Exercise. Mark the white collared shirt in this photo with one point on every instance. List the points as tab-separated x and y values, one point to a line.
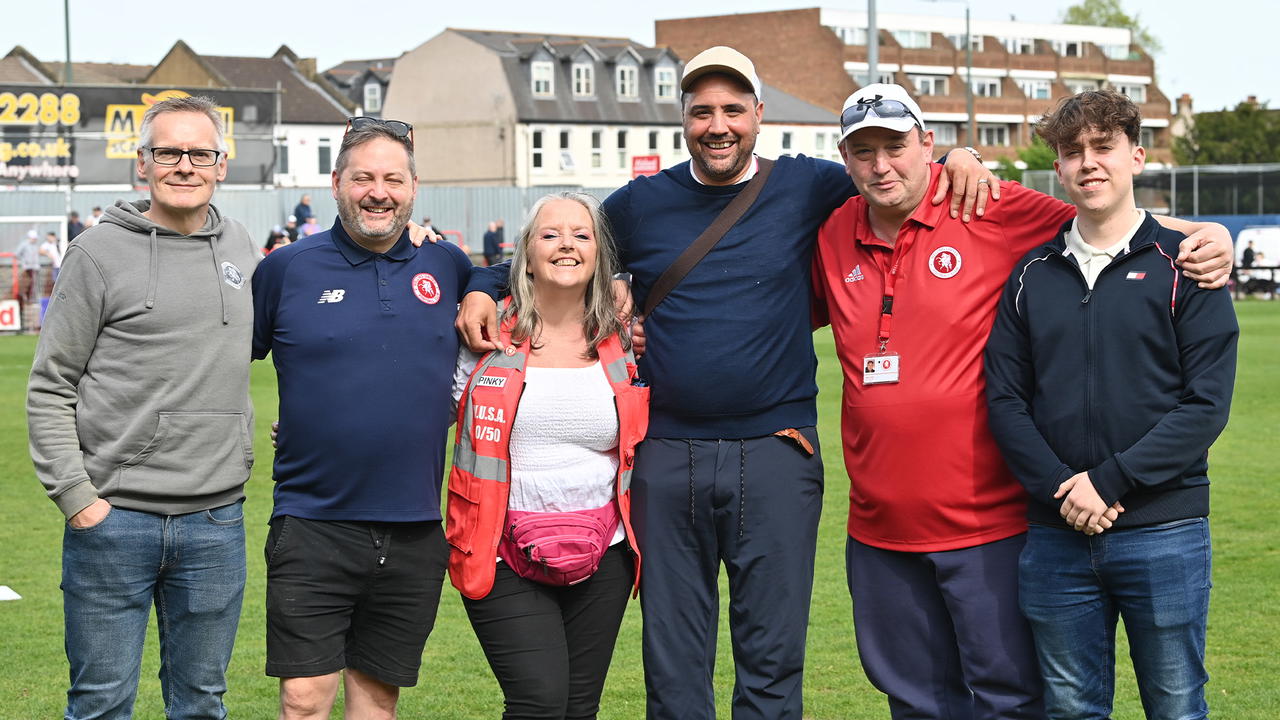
1091	259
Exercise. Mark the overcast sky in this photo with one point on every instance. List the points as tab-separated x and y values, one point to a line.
1216	51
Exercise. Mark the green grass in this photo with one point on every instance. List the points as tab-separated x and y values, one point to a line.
1244	629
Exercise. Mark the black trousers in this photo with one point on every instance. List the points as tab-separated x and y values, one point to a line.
550	647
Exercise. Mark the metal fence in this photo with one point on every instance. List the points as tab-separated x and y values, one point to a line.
467	210
1193	191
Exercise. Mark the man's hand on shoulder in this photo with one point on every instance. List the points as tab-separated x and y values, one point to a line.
966	176
477	322
1206	255
418	234
90	516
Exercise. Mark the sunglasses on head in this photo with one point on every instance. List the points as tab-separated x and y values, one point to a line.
884	109
399	128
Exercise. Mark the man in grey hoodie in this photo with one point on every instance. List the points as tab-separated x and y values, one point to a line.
141	427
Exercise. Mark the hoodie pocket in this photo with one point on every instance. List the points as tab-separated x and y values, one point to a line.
191	454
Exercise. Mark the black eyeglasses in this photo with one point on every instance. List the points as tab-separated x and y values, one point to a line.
399	128
884	109
199	157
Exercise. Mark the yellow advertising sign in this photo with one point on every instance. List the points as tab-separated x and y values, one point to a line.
123	121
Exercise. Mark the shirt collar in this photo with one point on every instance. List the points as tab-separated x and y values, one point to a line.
1083	251
356	253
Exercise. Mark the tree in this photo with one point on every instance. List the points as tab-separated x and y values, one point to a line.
1248	134
1108	13
1037	156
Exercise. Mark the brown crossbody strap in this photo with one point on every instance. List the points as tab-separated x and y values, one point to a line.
693	254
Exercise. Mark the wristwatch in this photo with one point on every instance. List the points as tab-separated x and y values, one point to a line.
976	154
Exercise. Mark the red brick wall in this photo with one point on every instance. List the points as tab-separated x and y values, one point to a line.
791	50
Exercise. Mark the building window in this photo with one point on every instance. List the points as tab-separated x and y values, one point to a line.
596	158
653	141
584	80
372	97
943	133
1020	46
1136	93
881	77
564	139
543	73
249	113
913	39
929	84
1119	52
986	87
665	85
537	149
1147	137
622	148
566	157
852	35
1069	48
993	135
974	40
677	142
1078	86
1035	89
282	158
819	142
786	141
627	82
324	160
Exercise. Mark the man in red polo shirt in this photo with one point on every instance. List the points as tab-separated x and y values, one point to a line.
936	522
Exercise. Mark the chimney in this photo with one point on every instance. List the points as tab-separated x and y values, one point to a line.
1252	100
1184	105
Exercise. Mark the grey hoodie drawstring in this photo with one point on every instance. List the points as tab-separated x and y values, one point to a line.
154	278
217	269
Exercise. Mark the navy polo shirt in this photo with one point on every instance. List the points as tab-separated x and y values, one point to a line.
364	350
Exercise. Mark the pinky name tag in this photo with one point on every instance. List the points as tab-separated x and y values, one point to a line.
880	368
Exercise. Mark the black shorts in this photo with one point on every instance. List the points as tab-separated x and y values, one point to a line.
352	595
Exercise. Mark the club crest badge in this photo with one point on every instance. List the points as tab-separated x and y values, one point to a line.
945	262
426	288
232	276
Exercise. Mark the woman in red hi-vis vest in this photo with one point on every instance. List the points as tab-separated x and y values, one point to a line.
539	510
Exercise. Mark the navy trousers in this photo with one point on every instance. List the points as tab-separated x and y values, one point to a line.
941	634
753	505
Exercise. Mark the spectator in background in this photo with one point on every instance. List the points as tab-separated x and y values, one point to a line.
28	253
52	249
291	227
277	238
492	245
302	211
74	226
95	218
426	223
1248	257
310	227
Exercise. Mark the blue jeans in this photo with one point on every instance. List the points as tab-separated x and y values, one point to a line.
1074	586
193	567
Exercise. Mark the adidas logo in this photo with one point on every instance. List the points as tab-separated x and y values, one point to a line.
331	296
855	275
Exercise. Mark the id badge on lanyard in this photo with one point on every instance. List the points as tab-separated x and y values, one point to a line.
883	366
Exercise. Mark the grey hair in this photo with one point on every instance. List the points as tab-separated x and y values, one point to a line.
356	138
194	104
601	319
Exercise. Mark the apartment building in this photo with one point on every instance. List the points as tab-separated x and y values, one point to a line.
1019	70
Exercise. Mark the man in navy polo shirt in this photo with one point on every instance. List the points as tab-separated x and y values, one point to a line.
359	323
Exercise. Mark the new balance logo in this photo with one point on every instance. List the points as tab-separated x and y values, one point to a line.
854	275
331	296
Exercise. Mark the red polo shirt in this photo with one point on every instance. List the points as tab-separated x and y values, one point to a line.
925	473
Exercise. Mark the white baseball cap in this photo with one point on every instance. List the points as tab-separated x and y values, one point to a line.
880	105
721	59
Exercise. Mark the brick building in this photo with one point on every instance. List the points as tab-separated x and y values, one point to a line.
1020	70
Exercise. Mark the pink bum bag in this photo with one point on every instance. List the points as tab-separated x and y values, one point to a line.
558	548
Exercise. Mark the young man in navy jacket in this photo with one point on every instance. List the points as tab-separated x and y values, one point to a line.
1108	378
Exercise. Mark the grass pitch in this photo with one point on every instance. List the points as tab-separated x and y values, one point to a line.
1244	629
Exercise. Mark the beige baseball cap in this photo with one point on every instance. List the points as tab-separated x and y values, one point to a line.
721	59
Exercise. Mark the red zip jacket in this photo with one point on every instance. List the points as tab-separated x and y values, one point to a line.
480	480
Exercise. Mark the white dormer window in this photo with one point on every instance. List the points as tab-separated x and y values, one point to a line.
584	80
543	73
626	82
665	83
372	97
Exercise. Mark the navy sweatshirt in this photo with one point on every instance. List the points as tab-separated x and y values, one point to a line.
729	352
1130	381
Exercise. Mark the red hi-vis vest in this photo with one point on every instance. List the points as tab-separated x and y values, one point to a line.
480	480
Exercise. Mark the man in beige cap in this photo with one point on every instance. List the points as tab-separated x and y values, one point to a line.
729	471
